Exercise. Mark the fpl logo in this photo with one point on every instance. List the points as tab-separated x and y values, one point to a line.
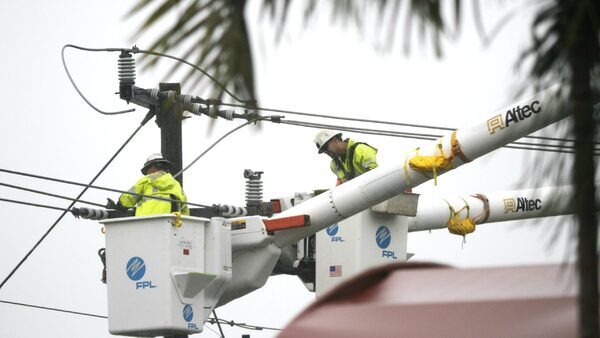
136	269
188	315
332	231
383	238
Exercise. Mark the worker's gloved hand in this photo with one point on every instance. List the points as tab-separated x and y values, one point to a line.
110	204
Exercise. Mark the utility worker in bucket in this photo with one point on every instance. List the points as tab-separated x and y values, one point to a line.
158	182
349	158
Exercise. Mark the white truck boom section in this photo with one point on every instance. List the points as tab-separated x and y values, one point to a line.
448	153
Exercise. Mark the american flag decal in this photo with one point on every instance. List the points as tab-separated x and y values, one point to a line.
335	271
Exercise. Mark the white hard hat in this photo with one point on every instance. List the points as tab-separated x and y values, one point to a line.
156	158
323	137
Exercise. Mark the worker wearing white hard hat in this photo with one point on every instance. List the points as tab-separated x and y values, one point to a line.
158	182
349	158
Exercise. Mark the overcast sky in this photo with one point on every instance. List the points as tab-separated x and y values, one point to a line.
47	129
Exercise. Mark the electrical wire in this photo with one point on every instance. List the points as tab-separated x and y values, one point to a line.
218	323
136	50
98	187
247	102
54	309
50	194
211	329
62	55
146	118
362	130
242	325
34	204
411	125
219	140
431	137
209	320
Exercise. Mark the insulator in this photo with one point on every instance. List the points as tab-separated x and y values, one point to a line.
185	99
228	114
88	213
253	187
196	108
232	211
126	69
153	92
169	95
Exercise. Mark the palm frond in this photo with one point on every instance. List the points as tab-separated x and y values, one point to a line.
211	32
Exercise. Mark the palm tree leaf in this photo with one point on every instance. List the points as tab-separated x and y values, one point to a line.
138	7
159	13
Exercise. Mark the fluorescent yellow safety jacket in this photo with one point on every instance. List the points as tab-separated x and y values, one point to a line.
159	184
358	159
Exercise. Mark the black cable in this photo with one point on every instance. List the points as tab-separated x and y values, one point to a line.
62	55
54	309
242	325
544	149
52	195
212	330
363	130
219	140
531	146
136	50
210	320
73	203
411	125
97	187
562	146
34	204
218	324
246	102
418	135
334	117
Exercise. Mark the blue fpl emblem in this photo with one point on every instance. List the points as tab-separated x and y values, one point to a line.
188	315
383	238
332	231
136	268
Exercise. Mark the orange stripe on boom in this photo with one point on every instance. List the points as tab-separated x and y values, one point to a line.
286	222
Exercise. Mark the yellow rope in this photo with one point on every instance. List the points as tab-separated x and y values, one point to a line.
177	222
458	226
424	164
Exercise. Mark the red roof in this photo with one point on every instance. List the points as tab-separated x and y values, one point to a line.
431	300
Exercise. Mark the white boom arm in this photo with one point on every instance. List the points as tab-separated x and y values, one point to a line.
464	145
433	211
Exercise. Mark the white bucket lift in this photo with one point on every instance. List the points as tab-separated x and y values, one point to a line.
356	244
164	279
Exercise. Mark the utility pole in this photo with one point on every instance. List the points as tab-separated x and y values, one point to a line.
168	118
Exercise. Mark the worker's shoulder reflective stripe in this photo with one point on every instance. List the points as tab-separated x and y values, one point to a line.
133	191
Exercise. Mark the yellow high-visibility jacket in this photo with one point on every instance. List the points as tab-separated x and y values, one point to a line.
358	159
159	184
